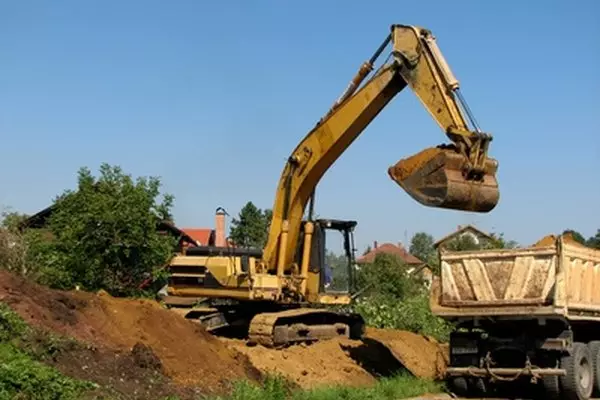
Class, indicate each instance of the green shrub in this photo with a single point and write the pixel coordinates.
(23, 378)
(393, 298)
(103, 235)
(11, 324)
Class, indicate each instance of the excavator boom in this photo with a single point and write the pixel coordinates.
(456, 176)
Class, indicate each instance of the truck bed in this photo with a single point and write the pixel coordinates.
(559, 280)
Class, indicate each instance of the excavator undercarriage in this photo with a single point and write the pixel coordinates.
(272, 325)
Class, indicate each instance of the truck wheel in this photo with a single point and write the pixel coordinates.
(578, 383)
(595, 357)
(550, 388)
(459, 386)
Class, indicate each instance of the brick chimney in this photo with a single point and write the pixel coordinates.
(375, 244)
(220, 227)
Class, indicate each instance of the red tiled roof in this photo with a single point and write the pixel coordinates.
(390, 248)
(202, 235)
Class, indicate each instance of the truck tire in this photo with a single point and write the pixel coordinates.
(595, 357)
(459, 386)
(550, 388)
(578, 383)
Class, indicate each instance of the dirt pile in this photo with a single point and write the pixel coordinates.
(349, 362)
(321, 363)
(423, 356)
(549, 240)
(156, 338)
(406, 166)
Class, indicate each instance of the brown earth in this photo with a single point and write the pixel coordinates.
(549, 240)
(423, 356)
(187, 353)
(308, 366)
(405, 167)
(349, 362)
(135, 375)
(137, 348)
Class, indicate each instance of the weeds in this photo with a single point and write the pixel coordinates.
(21, 376)
(276, 388)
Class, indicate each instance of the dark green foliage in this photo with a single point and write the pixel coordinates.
(393, 298)
(21, 376)
(103, 235)
(594, 241)
(251, 227)
(422, 247)
(11, 220)
(338, 265)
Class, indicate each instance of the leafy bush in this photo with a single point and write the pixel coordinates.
(23, 378)
(411, 314)
(103, 235)
(393, 298)
(11, 325)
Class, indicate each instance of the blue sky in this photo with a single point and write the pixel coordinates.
(213, 96)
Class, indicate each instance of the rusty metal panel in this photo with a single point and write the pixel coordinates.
(498, 277)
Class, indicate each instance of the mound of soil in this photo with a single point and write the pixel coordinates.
(423, 356)
(350, 362)
(322, 363)
(135, 375)
(153, 337)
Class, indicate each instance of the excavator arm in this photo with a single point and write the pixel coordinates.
(456, 176)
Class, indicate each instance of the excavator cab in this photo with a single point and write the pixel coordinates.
(441, 177)
(332, 256)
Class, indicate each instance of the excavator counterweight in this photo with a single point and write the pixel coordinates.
(437, 177)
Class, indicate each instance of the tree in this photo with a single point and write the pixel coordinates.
(499, 242)
(104, 233)
(11, 220)
(13, 248)
(462, 243)
(251, 227)
(422, 247)
(594, 241)
(338, 269)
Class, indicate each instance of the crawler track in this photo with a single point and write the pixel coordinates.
(275, 329)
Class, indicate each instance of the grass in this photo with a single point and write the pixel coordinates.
(24, 378)
(275, 388)
(21, 377)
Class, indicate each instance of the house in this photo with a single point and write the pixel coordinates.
(413, 264)
(479, 237)
(186, 237)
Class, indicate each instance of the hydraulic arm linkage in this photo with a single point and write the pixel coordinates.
(457, 176)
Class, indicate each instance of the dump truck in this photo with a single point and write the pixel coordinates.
(527, 320)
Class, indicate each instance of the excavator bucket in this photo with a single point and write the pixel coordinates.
(434, 177)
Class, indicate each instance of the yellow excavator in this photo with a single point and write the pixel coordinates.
(279, 295)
